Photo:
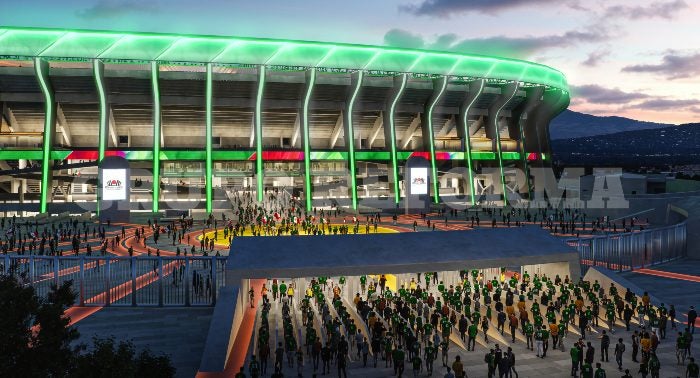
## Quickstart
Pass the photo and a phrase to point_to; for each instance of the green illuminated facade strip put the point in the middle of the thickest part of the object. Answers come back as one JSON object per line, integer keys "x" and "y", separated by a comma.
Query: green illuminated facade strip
{"x": 209, "y": 125}
{"x": 41, "y": 69}
{"x": 225, "y": 155}
{"x": 498, "y": 144}
{"x": 391, "y": 113}
{"x": 112, "y": 46}
{"x": 231, "y": 155}
{"x": 375, "y": 155}
{"x": 308, "y": 190}
{"x": 468, "y": 143}
{"x": 329, "y": 155}
{"x": 351, "y": 138}
{"x": 156, "y": 135}
{"x": 258, "y": 133}
{"x": 442, "y": 84}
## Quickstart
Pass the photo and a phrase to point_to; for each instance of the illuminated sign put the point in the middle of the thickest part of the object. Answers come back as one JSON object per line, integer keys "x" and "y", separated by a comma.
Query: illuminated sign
{"x": 114, "y": 184}
{"x": 419, "y": 180}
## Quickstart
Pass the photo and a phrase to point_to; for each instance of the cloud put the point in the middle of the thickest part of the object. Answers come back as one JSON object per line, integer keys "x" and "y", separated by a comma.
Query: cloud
{"x": 665, "y": 10}
{"x": 673, "y": 66}
{"x": 596, "y": 94}
{"x": 595, "y": 57}
{"x": 446, "y": 8}
{"x": 117, "y": 8}
{"x": 403, "y": 38}
{"x": 660, "y": 104}
{"x": 515, "y": 47}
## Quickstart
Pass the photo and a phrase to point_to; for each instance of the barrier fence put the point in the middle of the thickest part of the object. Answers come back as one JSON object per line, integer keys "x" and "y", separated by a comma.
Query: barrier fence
{"x": 124, "y": 281}
{"x": 632, "y": 250}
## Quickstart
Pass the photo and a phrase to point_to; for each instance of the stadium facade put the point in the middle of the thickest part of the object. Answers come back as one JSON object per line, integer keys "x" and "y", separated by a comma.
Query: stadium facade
{"x": 197, "y": 116}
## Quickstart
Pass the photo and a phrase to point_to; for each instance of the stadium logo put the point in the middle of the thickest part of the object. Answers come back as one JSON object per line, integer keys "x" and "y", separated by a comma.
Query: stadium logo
{"x": 114, "y": 185}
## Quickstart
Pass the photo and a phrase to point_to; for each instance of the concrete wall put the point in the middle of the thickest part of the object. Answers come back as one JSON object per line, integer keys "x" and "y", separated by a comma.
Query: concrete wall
{"x": 227, "y": 318}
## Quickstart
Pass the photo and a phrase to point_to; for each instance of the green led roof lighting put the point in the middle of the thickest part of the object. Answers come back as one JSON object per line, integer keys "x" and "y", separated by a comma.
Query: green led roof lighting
{"x": 110, "y": 46}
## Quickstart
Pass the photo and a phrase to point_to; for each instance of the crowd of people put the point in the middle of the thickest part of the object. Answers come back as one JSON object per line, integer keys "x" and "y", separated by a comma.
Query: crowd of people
{"x": 426, "y": 324}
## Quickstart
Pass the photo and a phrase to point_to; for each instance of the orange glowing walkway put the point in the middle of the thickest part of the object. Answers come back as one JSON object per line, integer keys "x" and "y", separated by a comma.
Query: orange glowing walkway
{"x": 665, "y": 274}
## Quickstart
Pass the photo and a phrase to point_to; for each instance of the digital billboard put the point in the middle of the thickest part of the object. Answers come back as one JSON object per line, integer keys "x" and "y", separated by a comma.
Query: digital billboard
{"x": 114, "y": 184}
{"x": 419, "y": 180}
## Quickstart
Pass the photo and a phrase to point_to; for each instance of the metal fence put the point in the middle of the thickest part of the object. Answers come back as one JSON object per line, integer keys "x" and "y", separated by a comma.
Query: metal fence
{"x": 632, "y": 250}
{"x": 124, "y": 281}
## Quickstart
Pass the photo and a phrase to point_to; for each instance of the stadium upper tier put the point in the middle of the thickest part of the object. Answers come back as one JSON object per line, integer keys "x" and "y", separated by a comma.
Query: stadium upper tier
{"x": 196, "y": 49}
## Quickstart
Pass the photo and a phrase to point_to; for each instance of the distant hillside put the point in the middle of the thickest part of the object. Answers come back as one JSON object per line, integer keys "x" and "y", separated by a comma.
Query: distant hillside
{"x": 658, "y": 146}
{"x": 570, "y": 124}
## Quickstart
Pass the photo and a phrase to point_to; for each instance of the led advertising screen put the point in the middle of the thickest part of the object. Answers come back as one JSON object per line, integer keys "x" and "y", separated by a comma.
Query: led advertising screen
{"x": 419, "y": 180}
{"x": 114, "y": 184}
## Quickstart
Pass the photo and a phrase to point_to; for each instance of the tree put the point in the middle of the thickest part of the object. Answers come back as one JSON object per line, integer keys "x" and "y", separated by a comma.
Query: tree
{"x": 36, "y": 341}
{"x": 109, "y": 359}
{"x": 36, "y": 337}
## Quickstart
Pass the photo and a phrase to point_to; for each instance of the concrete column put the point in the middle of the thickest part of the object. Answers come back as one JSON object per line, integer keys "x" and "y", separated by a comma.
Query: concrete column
{"x": 41, "y": 70}
{"x": 427, "y": 133}
{"x": 476, "y": 88}
{"x": 516, "y": 125}
{"x": 508, "y": 92}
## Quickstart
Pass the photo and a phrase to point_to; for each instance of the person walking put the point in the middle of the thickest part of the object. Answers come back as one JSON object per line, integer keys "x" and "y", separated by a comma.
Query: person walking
{"x": 604, "y": 346}
{"x": 619, "y": 350}
{"x": 539, "y": 342}
{"x": 692, "y": 370}
{"x": 692, "y": 315}
{"x": 574, "y": 354}
{"x": 458, "y": 368}
{"x": 590, "y": 353}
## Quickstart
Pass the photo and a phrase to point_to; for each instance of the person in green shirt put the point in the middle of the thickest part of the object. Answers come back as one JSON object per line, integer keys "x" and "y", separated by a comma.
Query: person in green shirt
{"x": 529, "y": 331}
{"x": 472, "y": 331}
{"x": 587, "y": 370}
{"x": 283, "y": 290}
{"x": 692, "y": 370}
{"x": 275, "y": 289}
{"x": 430, "y": 354}
{"x": 417, "y": 365}
{"x": 654, "y": 365}
{"x": 599, "y": 372}
{"x": 574, "y": 353}
{"x": 398, "y": 356}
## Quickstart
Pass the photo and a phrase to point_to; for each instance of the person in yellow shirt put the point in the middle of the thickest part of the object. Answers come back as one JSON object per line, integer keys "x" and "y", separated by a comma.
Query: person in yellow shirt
{"x": 290, "y": 294}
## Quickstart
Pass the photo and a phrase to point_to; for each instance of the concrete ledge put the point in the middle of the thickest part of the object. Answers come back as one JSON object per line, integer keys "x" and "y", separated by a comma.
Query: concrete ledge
{"x": 222, "y": 330}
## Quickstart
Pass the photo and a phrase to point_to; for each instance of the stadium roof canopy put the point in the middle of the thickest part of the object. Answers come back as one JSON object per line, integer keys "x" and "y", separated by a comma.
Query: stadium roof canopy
{"x": 120, "y": 47}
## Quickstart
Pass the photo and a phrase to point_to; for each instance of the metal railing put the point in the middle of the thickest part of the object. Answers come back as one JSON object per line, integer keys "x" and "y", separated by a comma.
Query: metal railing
{"x": 124, "y": 281}
{"x": 632, "y": 250}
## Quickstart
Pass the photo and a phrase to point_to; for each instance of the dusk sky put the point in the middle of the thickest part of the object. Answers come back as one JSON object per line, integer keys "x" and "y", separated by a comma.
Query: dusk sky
{"x": 637, "y": 59}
